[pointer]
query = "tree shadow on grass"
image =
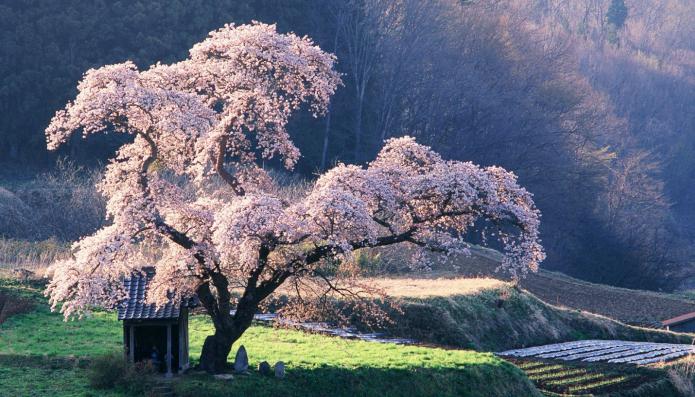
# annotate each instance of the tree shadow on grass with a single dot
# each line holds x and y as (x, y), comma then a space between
(471, 381)
(483, 380)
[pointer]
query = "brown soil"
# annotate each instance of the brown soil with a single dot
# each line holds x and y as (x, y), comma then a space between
(629, 306)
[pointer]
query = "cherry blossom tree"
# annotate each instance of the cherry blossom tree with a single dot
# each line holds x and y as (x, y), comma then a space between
(187, 195)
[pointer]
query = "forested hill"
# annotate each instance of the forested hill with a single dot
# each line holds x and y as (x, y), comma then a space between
(590, 102)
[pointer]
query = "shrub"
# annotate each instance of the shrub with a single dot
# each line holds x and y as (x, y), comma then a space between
(107, 371)
(11, 305)
(138, 379)
(64, 203)
(110, 371)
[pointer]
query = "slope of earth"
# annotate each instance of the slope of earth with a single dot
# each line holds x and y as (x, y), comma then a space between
(630, 306)
(42, 355)
(503, 318)
(636, 307)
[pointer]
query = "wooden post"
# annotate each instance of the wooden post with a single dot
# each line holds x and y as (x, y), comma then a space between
(131, 344)
(168, 356)
(126, 348)
(185, 333)
(181, 345)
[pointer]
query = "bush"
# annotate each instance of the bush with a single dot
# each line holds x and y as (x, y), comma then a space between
(107, 371)
(15, 216)
(11, 305)
(138, 379)
(64, 203)
(110, 371)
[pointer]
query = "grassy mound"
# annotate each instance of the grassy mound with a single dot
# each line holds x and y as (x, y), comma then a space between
(505, 318)
(42, 355)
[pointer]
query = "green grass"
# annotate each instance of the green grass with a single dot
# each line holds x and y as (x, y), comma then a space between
(41, 376)
(41, 333)
(320, 366)
(555, 375)
(39, 352)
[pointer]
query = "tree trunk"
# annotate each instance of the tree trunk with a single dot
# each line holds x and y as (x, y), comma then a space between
(216, 348)
(358, 126)
(327, 130)
(326, 135)
(228, 327)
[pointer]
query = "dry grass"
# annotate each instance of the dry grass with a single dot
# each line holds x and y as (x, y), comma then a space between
(424, 285)
(429, 287)
(34, 256)
(682, 375)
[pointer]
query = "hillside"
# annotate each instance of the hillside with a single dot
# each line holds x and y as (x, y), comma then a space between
(505, 317)
(630, 306)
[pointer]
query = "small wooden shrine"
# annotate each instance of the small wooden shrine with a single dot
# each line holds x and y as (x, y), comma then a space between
(157, 334)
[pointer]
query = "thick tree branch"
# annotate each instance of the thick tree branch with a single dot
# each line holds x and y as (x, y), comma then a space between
(232, 181)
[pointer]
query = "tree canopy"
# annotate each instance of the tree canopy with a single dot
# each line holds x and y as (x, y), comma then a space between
(188, 196)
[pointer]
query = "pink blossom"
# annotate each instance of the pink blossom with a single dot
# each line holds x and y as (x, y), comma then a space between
(188, 197)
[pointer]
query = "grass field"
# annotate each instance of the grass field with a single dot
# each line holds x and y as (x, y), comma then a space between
(40, 355)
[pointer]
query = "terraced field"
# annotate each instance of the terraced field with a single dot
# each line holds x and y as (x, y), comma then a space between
(644, 308)
(608, 351)
(573, 379)
(635, 307)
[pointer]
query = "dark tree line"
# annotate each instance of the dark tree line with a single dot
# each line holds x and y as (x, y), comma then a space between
(586, 101)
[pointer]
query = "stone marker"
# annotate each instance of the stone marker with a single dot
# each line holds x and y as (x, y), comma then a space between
(279, 369)
(241, 360)
(224, 376)
(264, 368)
